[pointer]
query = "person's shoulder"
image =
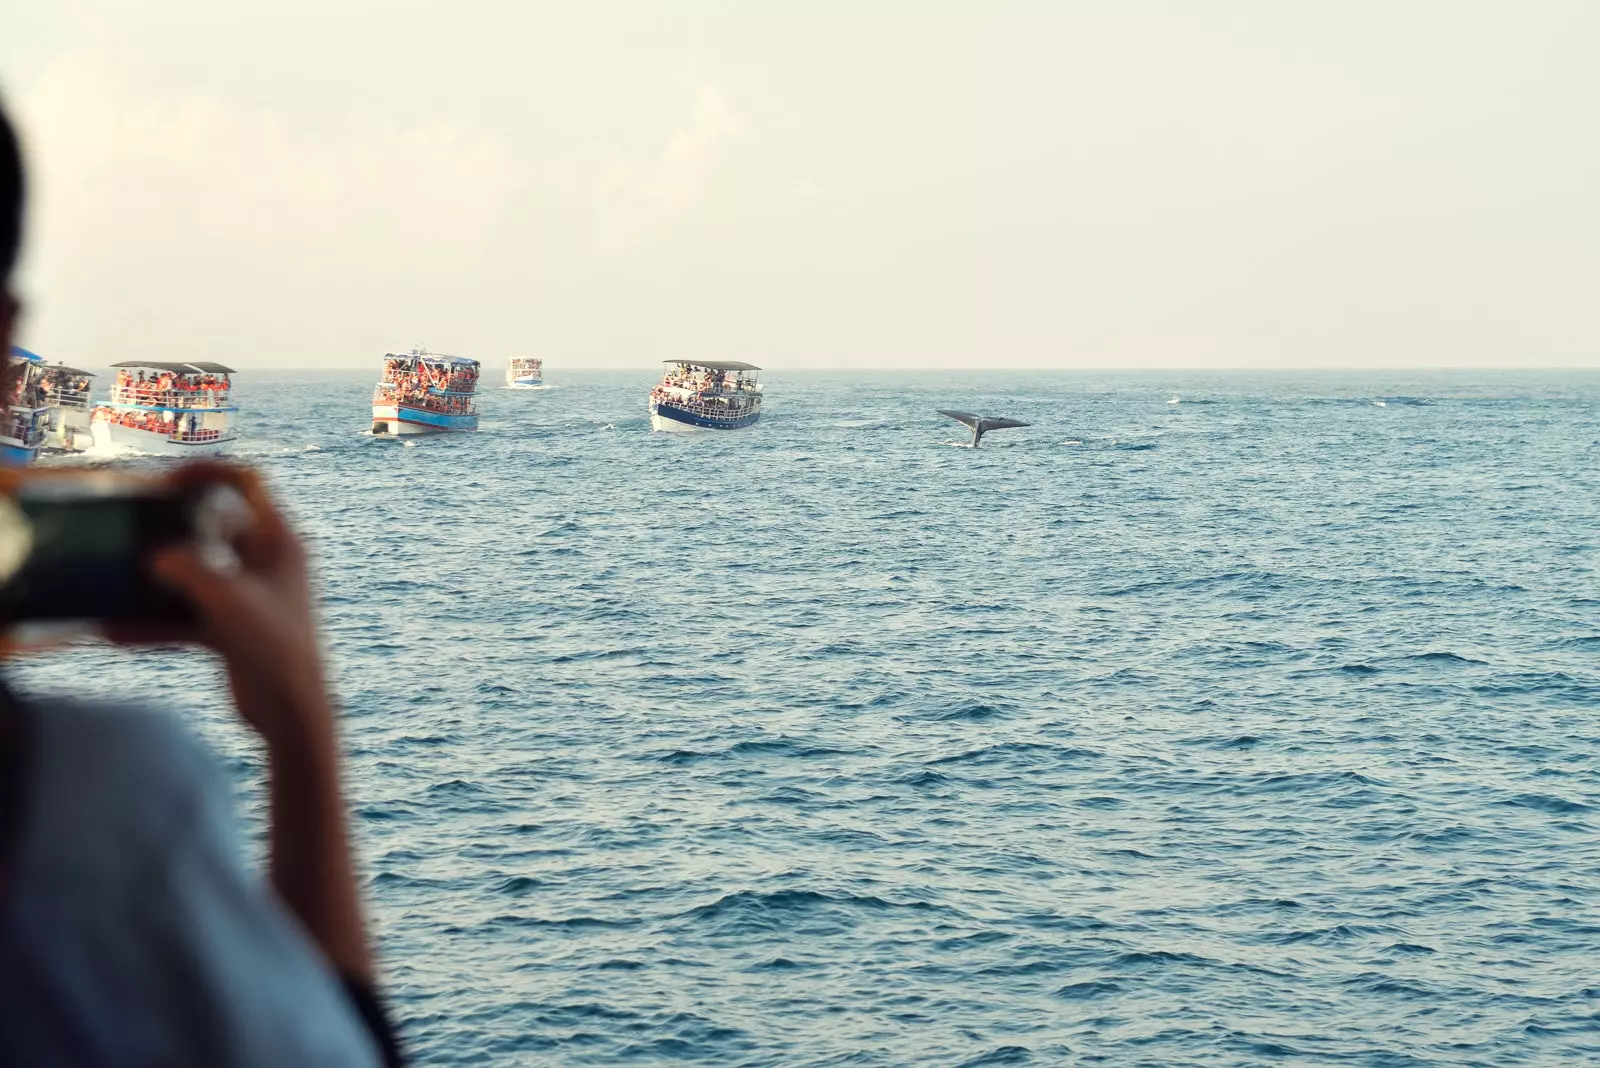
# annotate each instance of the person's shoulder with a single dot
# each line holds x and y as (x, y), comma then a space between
(121, 775)
(122, 740)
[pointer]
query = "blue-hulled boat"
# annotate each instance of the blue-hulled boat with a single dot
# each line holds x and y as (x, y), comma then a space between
(706, 395)
(27, 414)
(425, 393)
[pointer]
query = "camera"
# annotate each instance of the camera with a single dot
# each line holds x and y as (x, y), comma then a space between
(75, 546)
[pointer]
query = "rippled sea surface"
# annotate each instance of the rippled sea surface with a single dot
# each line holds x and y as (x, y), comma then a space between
(1255, 728)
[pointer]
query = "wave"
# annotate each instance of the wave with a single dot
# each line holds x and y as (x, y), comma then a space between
(1550, 803)
(1007, 752)
(1089, 988)
(754, 910)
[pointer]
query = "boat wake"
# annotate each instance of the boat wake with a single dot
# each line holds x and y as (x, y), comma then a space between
(113, 452)
(264, 450)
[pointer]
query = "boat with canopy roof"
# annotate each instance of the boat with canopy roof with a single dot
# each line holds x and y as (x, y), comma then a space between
(25, 416)
(66, 395)
(425, 392)
(706, 395)
(172, 409)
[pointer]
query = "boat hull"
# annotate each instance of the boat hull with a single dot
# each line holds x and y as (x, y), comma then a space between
(14, 455)
(401, 421)
(524, 382)
(68, 430)
(670, 418)
(115, 435)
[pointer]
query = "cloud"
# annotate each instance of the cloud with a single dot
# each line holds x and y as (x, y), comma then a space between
(221, 212)
(248, 172)
(643, 195)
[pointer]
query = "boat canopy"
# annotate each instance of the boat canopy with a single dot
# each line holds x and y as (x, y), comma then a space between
(20, 353)
(436, 357)
(64, 369)
(716, 365)
(198, 368)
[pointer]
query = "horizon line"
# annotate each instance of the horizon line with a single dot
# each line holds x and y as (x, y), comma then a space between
(858, 369)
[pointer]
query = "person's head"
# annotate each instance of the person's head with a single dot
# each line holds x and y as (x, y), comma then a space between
(10, 228)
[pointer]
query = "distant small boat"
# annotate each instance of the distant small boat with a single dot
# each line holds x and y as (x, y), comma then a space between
(172, 409)
(425, 392)
(706, 395)
(525, 372)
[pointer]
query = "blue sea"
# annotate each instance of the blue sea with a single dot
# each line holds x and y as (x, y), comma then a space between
(1225, 719)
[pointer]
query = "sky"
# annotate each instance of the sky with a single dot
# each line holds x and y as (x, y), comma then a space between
(886, 184)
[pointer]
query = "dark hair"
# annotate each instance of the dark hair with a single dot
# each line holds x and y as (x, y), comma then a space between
(10, 199)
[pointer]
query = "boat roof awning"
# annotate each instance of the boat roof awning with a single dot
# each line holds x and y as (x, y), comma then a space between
(64, 369)
(199, 367)
(716, 365)
(436, 357)
(20, 353)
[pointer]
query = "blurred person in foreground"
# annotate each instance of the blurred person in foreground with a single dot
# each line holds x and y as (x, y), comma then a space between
(131, 931)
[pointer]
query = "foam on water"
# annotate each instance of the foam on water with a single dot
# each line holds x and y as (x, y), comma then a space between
(1263, 736)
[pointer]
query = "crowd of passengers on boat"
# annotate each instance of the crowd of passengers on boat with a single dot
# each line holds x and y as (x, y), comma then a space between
(713, 394)
(417, 384)
(58, 380)
(27, 391)
(174, 390)
(697, 381)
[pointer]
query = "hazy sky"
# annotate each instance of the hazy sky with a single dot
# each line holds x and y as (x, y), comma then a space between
(900, 183)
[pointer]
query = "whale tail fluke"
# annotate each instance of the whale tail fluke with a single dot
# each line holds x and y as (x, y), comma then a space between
(981, 424)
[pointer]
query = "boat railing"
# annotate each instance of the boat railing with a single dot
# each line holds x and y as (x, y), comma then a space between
(67, 398)
(195, 435)
(714, 406)
(427, 400)
(169, 398)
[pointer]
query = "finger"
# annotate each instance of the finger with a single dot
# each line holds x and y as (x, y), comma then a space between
(213, 595)
(267, 540)
(150, 634)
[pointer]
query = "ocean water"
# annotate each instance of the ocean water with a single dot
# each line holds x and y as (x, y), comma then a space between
(1255, 728)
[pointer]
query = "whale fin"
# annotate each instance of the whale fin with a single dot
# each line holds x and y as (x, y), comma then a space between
(981, 424)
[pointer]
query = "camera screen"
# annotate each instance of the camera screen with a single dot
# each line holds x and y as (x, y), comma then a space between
(86, 560)
(85, 553)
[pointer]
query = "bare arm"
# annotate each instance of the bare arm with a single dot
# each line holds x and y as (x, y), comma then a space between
(312, 868)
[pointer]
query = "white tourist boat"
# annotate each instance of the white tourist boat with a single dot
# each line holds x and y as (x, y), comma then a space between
(66, 396)
(525, 372)
(706, 395)
(172, 409)
(425, 392)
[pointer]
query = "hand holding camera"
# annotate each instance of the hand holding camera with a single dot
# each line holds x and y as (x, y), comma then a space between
(201, 556)
(243, 576)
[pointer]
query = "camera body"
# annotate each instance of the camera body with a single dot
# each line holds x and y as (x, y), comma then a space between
(75, 546)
